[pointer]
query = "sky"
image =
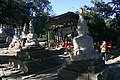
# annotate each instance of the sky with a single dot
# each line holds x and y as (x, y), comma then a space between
(64, 6)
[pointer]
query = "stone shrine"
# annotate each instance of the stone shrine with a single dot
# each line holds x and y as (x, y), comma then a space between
(3, 36)
(33, 57)
(85, 63)
(31, 37)
(24, 35)
(16, 42)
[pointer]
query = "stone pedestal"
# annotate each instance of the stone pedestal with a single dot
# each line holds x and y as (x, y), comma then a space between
(35, 64)
(36, 58)
(84, 70)
(31, 40)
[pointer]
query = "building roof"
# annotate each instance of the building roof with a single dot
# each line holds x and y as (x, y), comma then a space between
(63, 20)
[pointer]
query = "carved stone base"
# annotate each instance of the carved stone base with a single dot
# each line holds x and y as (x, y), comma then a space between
(36, 58)
(34, 65)
(84, 70)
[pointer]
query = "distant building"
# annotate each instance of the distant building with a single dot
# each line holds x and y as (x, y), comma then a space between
(62, 25)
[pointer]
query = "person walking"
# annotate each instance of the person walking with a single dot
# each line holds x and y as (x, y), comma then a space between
(103, 47)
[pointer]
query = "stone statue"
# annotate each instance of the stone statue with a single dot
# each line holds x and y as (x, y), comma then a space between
(31, 39)
(83, 44)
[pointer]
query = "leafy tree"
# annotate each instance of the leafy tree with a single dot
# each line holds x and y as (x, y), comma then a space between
(110, 14)
(39, 11)
(18, 12)
(13, 12)
(39, 7)
(39, 23)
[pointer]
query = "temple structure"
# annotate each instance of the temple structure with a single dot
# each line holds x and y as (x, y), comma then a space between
(62, 25)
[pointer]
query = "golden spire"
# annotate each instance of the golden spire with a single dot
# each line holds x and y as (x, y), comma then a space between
(81, 11)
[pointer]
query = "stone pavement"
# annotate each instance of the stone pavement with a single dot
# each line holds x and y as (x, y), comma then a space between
(114, 67)
(113, 64)
(10, 73)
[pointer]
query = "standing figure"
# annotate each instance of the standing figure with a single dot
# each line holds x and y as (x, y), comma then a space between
(109, 46)
(103, 48)
(66, 42)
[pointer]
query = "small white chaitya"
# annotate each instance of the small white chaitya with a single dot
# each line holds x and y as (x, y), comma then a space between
(31, 37)
(83, 44)
(24, 35)
(16, 43)
(2, 33)
(24, 32)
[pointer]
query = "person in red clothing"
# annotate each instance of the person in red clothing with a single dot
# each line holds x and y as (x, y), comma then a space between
(109, 46)
(66, 41)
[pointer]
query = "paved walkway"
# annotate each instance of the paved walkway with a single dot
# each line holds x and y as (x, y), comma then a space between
(114, 66)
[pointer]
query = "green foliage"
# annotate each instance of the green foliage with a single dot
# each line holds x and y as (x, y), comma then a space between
(39, 23)
(51, 37)
(105, 19)
(17, 12)
(40, 7)
(96, 27)
(12, 12)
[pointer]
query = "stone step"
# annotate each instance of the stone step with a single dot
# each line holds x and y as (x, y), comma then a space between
(37, 54)
(34, 65)
(33, 48)
(16, 74)
(72, 75)
(84, 66)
